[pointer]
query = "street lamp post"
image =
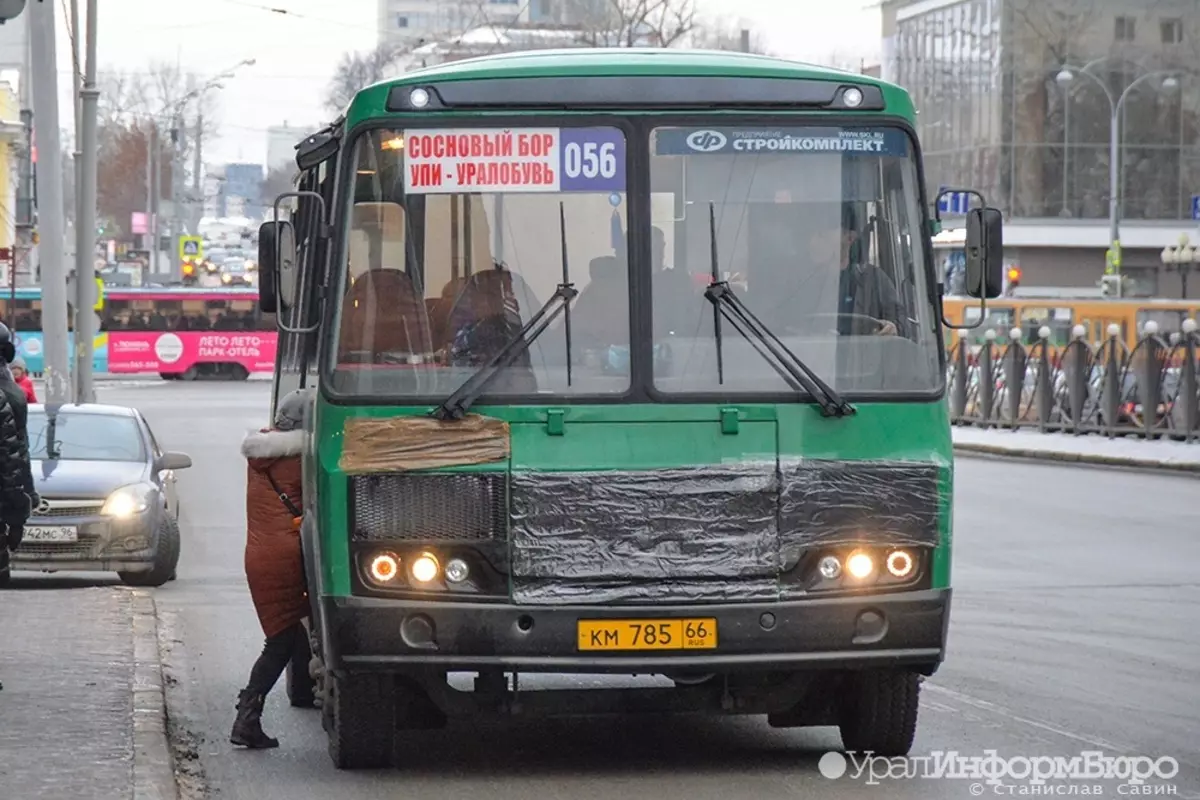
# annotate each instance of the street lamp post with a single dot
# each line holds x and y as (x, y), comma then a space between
(1116, 104)
(1181, 257)
(172, 114)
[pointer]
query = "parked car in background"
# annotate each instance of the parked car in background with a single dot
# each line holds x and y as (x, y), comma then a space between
(108, 496)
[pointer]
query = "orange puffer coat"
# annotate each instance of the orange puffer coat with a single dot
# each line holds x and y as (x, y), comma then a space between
(274, 566)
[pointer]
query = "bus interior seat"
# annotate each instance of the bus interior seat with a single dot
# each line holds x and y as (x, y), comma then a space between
(385, 309)
(384, 314)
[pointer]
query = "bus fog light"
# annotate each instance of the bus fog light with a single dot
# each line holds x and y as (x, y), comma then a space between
(384, 567)
(457, 570)
(900, 564)
(425, 568)
(830, 567)
(860, 565)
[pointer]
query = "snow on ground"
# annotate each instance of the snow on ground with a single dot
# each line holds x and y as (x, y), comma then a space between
(1068, 447)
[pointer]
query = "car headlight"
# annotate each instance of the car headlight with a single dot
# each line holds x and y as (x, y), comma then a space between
(129, 501)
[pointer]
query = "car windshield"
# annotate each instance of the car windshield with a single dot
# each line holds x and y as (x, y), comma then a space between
(456, 238)
(818, 232)
(85, 437)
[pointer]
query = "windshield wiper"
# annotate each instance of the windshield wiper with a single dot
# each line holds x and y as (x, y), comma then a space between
(456, 405)
(790, 367)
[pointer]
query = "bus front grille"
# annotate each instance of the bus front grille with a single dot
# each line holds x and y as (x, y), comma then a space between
(459, 507)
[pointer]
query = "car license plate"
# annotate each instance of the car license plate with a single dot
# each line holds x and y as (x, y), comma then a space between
(55, 533)
(647, 634)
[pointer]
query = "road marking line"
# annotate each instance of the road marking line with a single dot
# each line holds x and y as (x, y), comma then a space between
(1033, 723)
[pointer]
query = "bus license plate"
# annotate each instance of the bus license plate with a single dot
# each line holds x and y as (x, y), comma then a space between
(48, 533)
(647, 634)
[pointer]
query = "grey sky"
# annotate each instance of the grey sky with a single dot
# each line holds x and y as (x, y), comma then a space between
(296, 53)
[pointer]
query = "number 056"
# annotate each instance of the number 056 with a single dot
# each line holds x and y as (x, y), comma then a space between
(590, 160)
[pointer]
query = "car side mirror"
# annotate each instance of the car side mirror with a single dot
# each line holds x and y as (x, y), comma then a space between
(276, 265)
(172, 460)
(985, 253)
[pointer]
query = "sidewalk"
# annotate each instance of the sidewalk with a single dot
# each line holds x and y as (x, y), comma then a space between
(1089, 449)
(78, 666)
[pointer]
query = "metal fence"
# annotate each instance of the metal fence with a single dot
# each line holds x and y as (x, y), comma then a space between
(1080, 387)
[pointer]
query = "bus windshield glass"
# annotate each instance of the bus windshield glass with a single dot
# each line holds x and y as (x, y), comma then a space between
(818, 231)
(456, 238)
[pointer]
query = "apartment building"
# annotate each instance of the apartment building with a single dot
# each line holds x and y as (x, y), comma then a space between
(999, 114)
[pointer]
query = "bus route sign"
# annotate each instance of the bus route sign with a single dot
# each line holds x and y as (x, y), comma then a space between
(514, 160)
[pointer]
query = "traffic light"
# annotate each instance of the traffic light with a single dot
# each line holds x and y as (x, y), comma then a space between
(1014, 279)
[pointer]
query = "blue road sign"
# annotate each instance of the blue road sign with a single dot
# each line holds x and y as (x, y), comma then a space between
(1196, 207)
(954, 203)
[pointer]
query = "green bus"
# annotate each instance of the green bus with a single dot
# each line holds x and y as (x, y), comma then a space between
(621, 362)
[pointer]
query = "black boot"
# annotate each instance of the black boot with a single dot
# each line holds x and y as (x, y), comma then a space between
(247, 728)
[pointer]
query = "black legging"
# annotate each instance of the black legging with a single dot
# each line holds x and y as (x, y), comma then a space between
(290, 644)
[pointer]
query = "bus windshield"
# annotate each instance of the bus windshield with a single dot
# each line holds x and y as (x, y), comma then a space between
(456, 239)
(818, 231)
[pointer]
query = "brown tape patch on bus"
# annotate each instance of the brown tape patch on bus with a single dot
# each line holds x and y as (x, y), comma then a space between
(670, 534)
(400, 444)
(831, 503)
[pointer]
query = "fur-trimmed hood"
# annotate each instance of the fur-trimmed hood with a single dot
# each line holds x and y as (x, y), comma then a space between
(274, 444)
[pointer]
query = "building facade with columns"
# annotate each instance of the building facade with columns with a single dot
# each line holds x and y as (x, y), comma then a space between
(1016, 99)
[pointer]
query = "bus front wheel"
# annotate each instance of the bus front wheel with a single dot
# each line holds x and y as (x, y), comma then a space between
(879, 712)
(359, 714)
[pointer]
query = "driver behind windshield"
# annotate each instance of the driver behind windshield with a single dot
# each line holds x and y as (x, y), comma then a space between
(868, 303)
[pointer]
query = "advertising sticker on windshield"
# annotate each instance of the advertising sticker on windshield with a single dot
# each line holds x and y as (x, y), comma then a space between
(514, 160)
(787, 141)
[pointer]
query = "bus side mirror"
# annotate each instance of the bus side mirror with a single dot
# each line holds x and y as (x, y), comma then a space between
(276, 265)
(985, 253)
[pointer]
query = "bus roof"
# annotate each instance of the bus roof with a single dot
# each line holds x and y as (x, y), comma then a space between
(596, 61)
(581, 63)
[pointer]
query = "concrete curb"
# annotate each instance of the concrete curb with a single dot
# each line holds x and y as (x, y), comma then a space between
(1077, 458)
(153, 771)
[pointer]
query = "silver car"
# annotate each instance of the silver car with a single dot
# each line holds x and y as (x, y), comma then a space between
(108, 496)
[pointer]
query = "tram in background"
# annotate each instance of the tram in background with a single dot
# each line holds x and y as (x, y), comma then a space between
(178, 333)
(1061, 310)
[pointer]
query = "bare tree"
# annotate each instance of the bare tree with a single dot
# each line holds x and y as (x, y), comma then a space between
(725, 34)
(279, 180)
(357, 70)
(633, 23)
(162, 98)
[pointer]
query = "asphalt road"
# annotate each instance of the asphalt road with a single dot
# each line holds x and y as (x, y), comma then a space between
(1074, 629)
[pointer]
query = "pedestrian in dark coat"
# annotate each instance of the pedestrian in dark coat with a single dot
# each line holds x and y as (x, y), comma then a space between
(18, 497)
(274, 563)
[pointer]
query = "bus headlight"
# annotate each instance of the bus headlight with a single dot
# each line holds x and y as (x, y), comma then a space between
(457, 570)
(425, 568)
(900, 563)
(384, 567)
(830, 567)
(860, 565)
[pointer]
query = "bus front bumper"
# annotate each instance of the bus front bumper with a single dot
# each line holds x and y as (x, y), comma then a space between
(906, 629)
